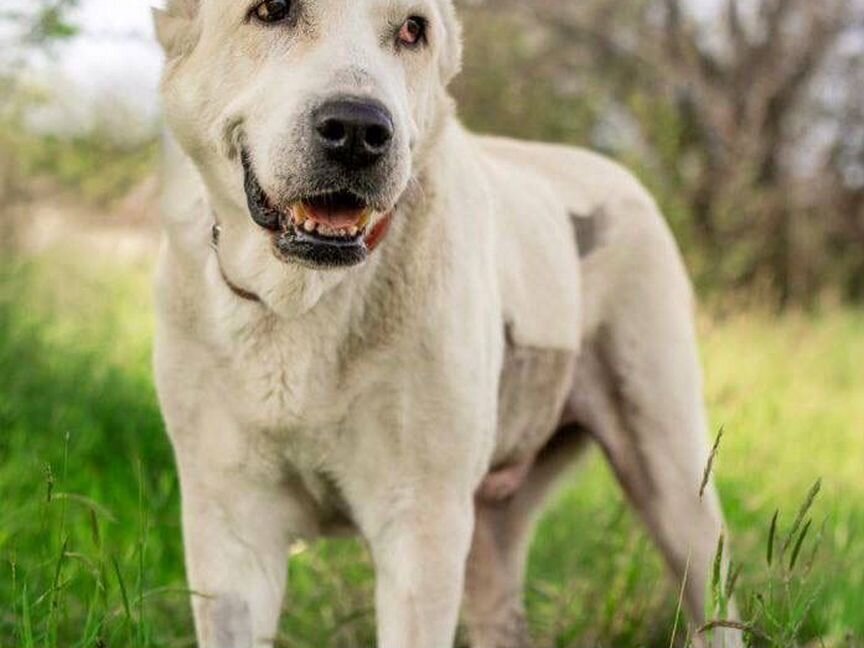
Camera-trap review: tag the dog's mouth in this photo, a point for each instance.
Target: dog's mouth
(326, 230)
(332, 217)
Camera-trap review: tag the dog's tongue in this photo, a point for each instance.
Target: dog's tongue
(334, 216)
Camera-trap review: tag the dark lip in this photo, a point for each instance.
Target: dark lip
(291, 244)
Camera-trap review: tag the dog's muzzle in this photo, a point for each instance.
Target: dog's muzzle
(339, 218)
(327, 230)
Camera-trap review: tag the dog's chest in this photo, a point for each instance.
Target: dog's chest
(289, 384)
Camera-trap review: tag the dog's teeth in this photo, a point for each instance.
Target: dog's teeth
(353, 231)
(299, 214)
(367, 216)
(309, 225)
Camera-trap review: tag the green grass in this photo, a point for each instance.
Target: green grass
(90, 548)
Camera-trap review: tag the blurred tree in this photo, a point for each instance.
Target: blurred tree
(39, 23)
(746, 120)
(25, 27)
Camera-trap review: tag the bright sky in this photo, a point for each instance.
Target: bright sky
(106, 52)
(115, 61)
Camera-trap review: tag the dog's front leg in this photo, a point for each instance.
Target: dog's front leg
(236, 540)
(419, 538)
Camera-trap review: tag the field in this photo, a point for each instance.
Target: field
(90, 552)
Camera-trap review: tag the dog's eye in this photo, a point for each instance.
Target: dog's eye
(272, 11)
(413, 32)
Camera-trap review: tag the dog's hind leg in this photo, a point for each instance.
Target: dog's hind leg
(494, 607)
(638, 389)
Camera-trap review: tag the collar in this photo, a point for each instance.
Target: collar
(373, 240)
(215, 234)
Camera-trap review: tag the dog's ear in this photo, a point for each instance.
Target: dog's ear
(175, 26)
(451, 54)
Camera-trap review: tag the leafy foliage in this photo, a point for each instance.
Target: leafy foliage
(40, 23)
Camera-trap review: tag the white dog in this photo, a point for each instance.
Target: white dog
(371, 320)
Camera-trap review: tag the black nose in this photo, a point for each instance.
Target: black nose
(353, 132)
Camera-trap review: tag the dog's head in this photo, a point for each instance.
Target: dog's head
(308, 118)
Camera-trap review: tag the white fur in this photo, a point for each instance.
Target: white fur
(367, 399)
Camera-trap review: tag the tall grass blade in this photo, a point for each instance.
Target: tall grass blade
(13, 564)
(717, 592)
(94, 529)
(93, 507)
(49, 483)
(55, 593)
(718, 563)
(797, 548)
(680, 604)
(817, 543)
(802, 514)
(709, 467)
(732, 579)
(142, 542)
(124, 594)
(55, 583)
(772, 537)
(26, 621)
(746, 628)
